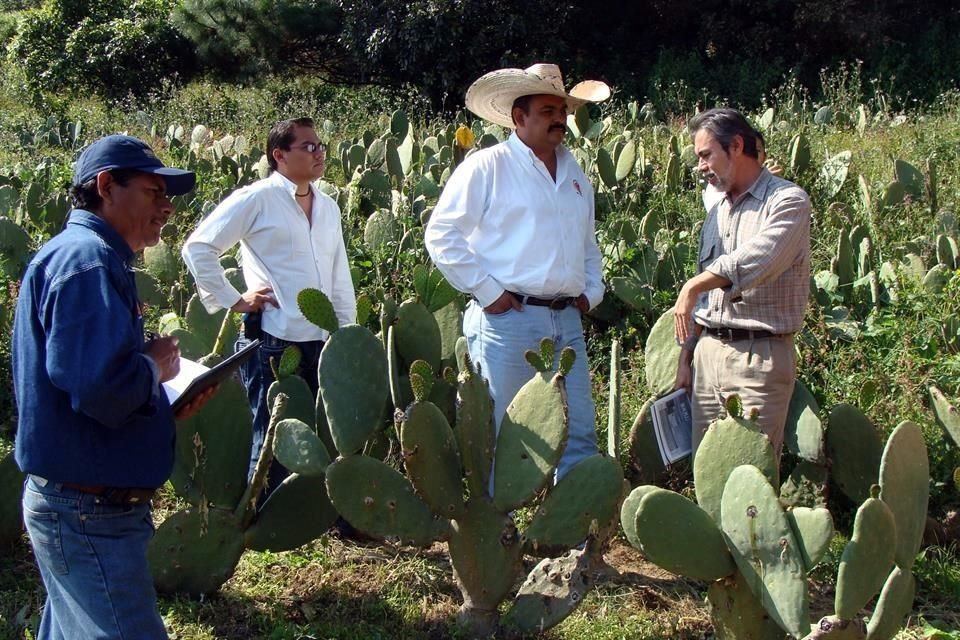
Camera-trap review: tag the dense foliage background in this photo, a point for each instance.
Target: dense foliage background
(668, 51)
(865, 84)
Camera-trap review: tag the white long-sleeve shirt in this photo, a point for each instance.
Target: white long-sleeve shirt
(503, 223)
(279, 249)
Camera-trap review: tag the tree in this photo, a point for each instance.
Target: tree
(237, 39)
(110, 47)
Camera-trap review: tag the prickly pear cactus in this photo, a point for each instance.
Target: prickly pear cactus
(446, 493)
(764, 595)
(196, 550)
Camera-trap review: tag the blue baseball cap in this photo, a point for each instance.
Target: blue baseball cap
(127, 152)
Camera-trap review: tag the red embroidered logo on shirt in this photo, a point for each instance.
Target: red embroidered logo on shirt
(576, 185)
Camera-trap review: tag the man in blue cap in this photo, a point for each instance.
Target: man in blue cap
(95, 434)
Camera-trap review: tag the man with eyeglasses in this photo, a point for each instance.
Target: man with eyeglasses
(290, 239)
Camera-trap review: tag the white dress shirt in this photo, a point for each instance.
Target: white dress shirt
(279, 249)
(503, 223)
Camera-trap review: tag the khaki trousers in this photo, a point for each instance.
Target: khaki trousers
(761, 371)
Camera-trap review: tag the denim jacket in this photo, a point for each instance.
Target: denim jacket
(90, 408)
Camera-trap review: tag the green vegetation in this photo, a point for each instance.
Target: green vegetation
(881, 329)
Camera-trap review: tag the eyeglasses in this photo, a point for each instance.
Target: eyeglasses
(314, 147)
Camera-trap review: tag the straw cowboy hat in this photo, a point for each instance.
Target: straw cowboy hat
(491, 97)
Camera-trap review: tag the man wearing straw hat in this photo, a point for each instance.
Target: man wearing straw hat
(514, 228)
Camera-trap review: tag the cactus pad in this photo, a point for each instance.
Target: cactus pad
(585, 499)
(283, 523)
(353, 383)
(546, 353)
(904, 487)
(764, 548)
(662, 518)
(432, 460)
(213, 449)
(727, 444)
(947, 414)
(432, 289)
(486, 554)
(867, 558)
(806, 486)
(803, 435)
(301, 403)
(421, 380)
(417, 335)
(552, 590)
(289, 361)
(895, 602)
(380, 502)
(661, 355)
(317, 308)
(854, 449)
(533, 433)
(450, 322)
(737, 614)
(299, 449)
(204, 326)
(475, 429)
(813, 529)
(195, 551)
(567, 357)
(646, 463)
(534, 360)
(628, 512)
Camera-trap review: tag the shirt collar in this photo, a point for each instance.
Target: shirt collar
(518, 146)
(284, 182)
(88, 220)
(758, 189)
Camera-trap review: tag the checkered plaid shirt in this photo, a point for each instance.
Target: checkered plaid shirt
(761, 244)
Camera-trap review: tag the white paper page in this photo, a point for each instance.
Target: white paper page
(189, 371)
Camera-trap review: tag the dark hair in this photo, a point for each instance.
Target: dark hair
(85, 196)
(522, 103)
(724, 124)
(282, 136)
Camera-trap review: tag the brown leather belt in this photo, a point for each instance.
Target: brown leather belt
(732, 335)
(113, 495)
(552, 303)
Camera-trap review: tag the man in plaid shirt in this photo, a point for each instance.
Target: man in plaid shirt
(736, 318)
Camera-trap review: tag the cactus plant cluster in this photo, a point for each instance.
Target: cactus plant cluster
(804, 433)
(756, 552)
(446, 494)
(650, 257)
(196, 550)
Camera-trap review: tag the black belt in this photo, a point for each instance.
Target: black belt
(113, 495)
(553, 303)
(728, 334)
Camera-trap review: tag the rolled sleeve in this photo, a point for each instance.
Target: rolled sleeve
(773, 249)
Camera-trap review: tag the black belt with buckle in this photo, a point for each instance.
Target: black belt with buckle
(555, 304)
(728, 334)
(113, 495)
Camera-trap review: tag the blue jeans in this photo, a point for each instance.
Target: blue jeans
(497, 344)
(93, 561)
(256, 375)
